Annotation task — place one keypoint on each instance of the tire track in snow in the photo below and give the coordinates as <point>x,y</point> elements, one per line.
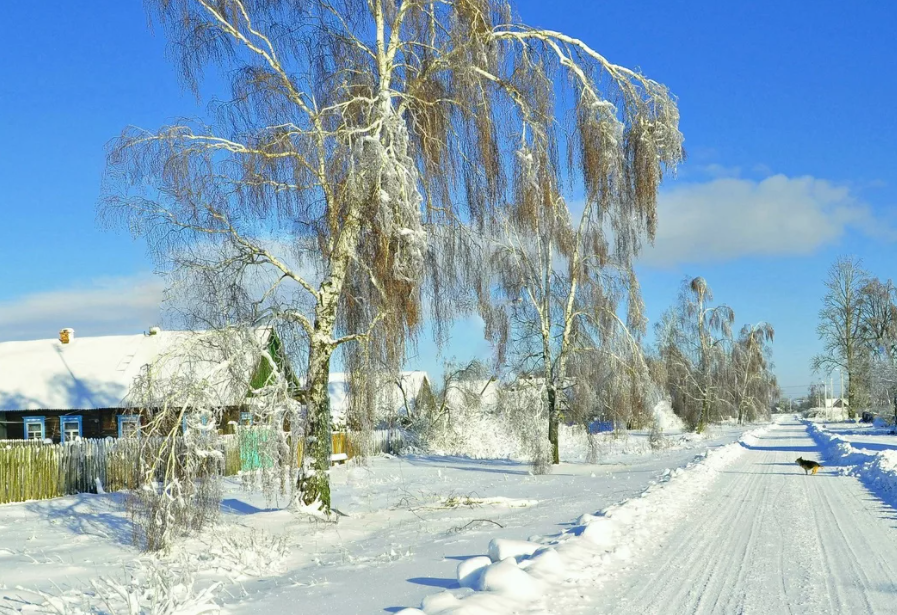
<point>693,538</point>
<point>767,539</point>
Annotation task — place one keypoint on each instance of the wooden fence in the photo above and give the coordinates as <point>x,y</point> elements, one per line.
<point>42,471</point>
<point>32,470</point>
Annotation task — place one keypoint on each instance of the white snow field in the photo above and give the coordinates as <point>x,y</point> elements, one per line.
<point>726,524</point>
<point>410,522</point>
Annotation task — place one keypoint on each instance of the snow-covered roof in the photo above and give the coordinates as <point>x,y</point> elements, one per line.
<point>86,374</point>
<point>389,398</point>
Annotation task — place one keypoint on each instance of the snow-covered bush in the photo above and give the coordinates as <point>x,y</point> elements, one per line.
<point>155,588</point>
<point>181,399</point>
<point>240,552</point>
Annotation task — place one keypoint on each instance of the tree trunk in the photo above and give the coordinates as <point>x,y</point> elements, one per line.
<point>705,413</point>
<point>314,478</point>
<point>553,424</point>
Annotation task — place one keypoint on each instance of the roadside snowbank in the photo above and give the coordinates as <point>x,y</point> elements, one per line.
<point>522,576</point>
<point>877,469</point>
<point>487,439</point>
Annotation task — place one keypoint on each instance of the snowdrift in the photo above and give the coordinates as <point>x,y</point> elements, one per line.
<point>877,469</point>
<point>522,576</point>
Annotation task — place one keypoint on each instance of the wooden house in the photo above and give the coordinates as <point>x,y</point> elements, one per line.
<point>65,388</point>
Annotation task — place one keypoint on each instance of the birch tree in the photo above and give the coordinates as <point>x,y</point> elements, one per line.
<point>841,327</point>
<point>561,274</point>
<point>356,137</point>
<point>878,312</point>
<point>751,386</point>
<point>692,341</point>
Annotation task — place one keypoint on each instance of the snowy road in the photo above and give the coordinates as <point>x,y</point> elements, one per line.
<point>768,539</point>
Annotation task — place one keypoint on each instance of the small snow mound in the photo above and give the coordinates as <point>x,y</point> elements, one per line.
<point>470,571</point>
<point>623,514</point>
<point>502,548</point>
<point>601,532</point>
<point>435,603</point>
<point>507,578</point>
<point>586,518</point>
<point>545,564</point>
<point>411,611</point>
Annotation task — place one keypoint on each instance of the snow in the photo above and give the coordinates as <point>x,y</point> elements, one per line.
<point>483,436</point>
<point>409,523</point>
<point>867,453</point>
<point>470,570</point>
<point>726,524</point>
<point>500,549</point>
<point>528,576</point>
<point>666,419</point>
<point>89,373</point>
<point>762,538</point>
<point>390,402</point>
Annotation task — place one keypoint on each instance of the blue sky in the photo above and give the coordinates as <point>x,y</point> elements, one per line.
<point>787,111</point>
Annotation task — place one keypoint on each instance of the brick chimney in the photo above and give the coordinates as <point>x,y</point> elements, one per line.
<point>66,335</point>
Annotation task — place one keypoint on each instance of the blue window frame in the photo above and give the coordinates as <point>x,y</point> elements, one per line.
<point>204,420</point>
<point>70,427</point>
<point>128,425</point>
<point>246,418</point>
<point>35,427</point>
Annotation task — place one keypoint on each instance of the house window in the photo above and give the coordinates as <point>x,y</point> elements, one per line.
<point>245,419</point>
<point>128,425</point>
<point>70,428</point>
<point>203,419</point>
<point>35,427</point>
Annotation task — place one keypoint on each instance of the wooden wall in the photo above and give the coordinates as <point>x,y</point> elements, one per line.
<point>94,423</point>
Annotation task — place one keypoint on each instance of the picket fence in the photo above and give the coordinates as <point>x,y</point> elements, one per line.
<point>36,471</point>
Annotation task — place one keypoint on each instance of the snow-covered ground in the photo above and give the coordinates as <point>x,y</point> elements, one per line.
<point>869,453</point>
<point>862,435</point>
<point>409,522</point>
<point>767,539</point>
<point>725,524</point>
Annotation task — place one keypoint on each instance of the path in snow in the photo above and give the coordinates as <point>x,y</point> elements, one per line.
<point>768,539</point>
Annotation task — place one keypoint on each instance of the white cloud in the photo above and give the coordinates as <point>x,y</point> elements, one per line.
<point>729,217</point>
<point>103,307</point>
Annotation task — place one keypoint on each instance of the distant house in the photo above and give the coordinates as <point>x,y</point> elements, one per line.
<point>65,388</point>
<point>398,399</point>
